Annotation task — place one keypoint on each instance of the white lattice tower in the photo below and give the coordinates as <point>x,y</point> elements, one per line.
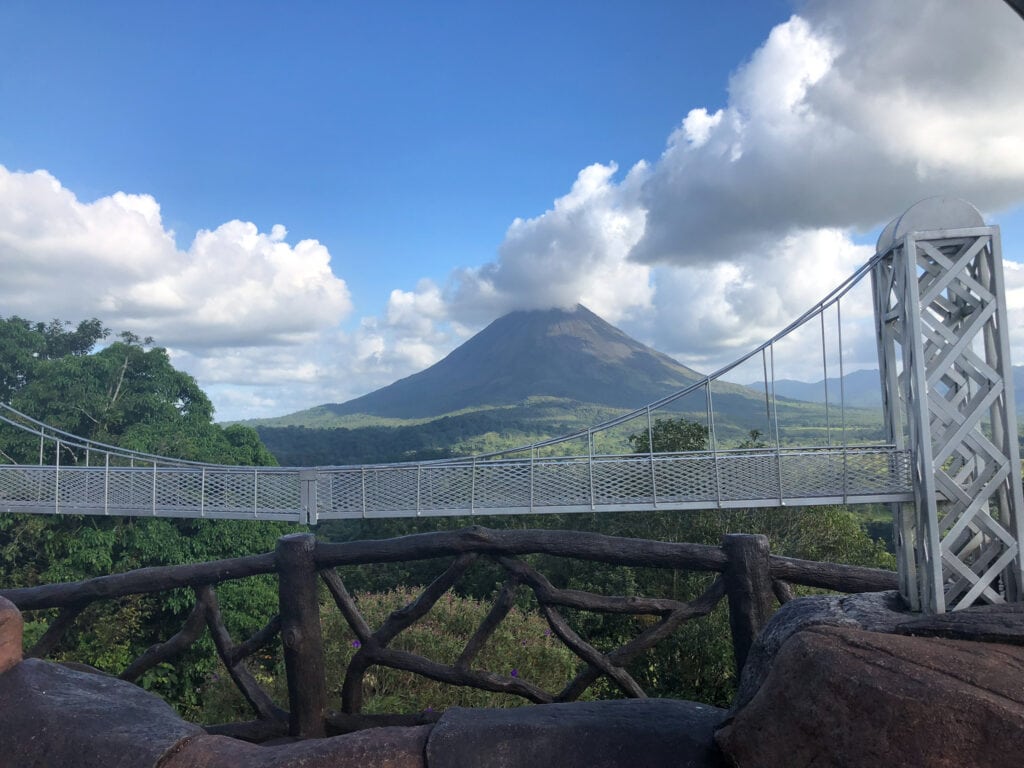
<point>940,314</point>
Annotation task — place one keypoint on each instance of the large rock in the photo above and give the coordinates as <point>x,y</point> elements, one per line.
<point>840,696</point>
<point>875,611</point>
<point>644,733</point>
<point>54,716</point>
<point>372,748</point>
<point>11,625</point>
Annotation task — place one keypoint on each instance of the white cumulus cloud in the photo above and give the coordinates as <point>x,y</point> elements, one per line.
<point>843,118</point>
<point>576,251</point>
<point>113,259</point>
<point>219,305</point>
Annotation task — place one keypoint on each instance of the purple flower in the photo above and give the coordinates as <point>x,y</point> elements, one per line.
<point>515,673</point>
<point>356,644</point>
<point>524,643</point>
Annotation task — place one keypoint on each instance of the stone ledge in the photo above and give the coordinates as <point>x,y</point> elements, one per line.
<point>982,623</point>
<point>55,716</point>
<point>635,733</point>
<point>52,716</point>
<point>375,748</point>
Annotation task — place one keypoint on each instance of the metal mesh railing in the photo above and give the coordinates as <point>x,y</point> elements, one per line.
<point>120,482</point>
<point>761,477</point>
<point>263,493</point>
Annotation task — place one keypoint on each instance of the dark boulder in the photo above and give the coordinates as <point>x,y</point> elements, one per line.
<point>55,716</point>
<point>875,611</point>
<point>840,696</point>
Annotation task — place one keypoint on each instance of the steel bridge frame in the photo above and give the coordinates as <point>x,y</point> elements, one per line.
<point>769,477</point>
<point>941,325</point>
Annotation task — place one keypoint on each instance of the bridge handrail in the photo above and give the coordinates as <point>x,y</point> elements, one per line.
<point>47,432</point>
<point>748,576</point>
<point>502,485</point>
<point>496,458</point>
<point>492,459</point>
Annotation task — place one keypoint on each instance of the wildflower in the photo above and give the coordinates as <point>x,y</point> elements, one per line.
<point>515,673</point>
<point>356,644</point>
<point>524,643</point>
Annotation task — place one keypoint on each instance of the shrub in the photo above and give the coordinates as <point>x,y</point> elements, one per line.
<point>522,646</point>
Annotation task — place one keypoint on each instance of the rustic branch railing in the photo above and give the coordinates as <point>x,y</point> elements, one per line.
<point>749,576</point>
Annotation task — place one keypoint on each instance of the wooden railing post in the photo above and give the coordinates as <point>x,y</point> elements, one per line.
<point>300,634</point>
<point>748,584</point>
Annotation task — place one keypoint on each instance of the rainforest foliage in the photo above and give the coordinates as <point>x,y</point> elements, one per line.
<point>123,392</point>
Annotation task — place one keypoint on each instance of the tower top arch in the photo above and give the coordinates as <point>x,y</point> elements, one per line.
<point>932,213</point>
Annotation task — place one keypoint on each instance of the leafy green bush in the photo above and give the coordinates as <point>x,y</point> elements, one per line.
<point>522,646</point>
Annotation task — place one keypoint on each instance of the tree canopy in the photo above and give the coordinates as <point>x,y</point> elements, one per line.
<point>126,393</point>
<point>123,392</point>
<point>25,344</point>
<point>671,436</point>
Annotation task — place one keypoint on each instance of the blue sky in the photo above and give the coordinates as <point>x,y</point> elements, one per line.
<point>407,133</point>
<point>306,202</point>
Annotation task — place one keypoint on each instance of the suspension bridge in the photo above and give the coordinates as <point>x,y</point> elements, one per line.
<point>949,464</point>
<point>567,474</point>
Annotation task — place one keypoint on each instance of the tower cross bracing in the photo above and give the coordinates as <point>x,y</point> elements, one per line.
<point>941,321</point>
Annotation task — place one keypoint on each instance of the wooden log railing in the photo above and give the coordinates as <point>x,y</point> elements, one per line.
<point>749,576</point>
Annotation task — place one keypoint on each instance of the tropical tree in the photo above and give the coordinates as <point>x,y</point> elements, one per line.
<point>25,344</point>
<point>126,393</point>
<point>671,436</point>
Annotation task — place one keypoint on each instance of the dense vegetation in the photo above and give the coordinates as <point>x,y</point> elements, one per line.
<point>697,662</point>
<point>522,646</point>
<point>479,431</point>
<point>126,392</point>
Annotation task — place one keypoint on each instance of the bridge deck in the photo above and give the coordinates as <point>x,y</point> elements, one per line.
<point>703,480</point>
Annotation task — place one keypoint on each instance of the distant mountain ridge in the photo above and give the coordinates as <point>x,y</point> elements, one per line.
<point>859,389</point>
<point>566,354</point>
